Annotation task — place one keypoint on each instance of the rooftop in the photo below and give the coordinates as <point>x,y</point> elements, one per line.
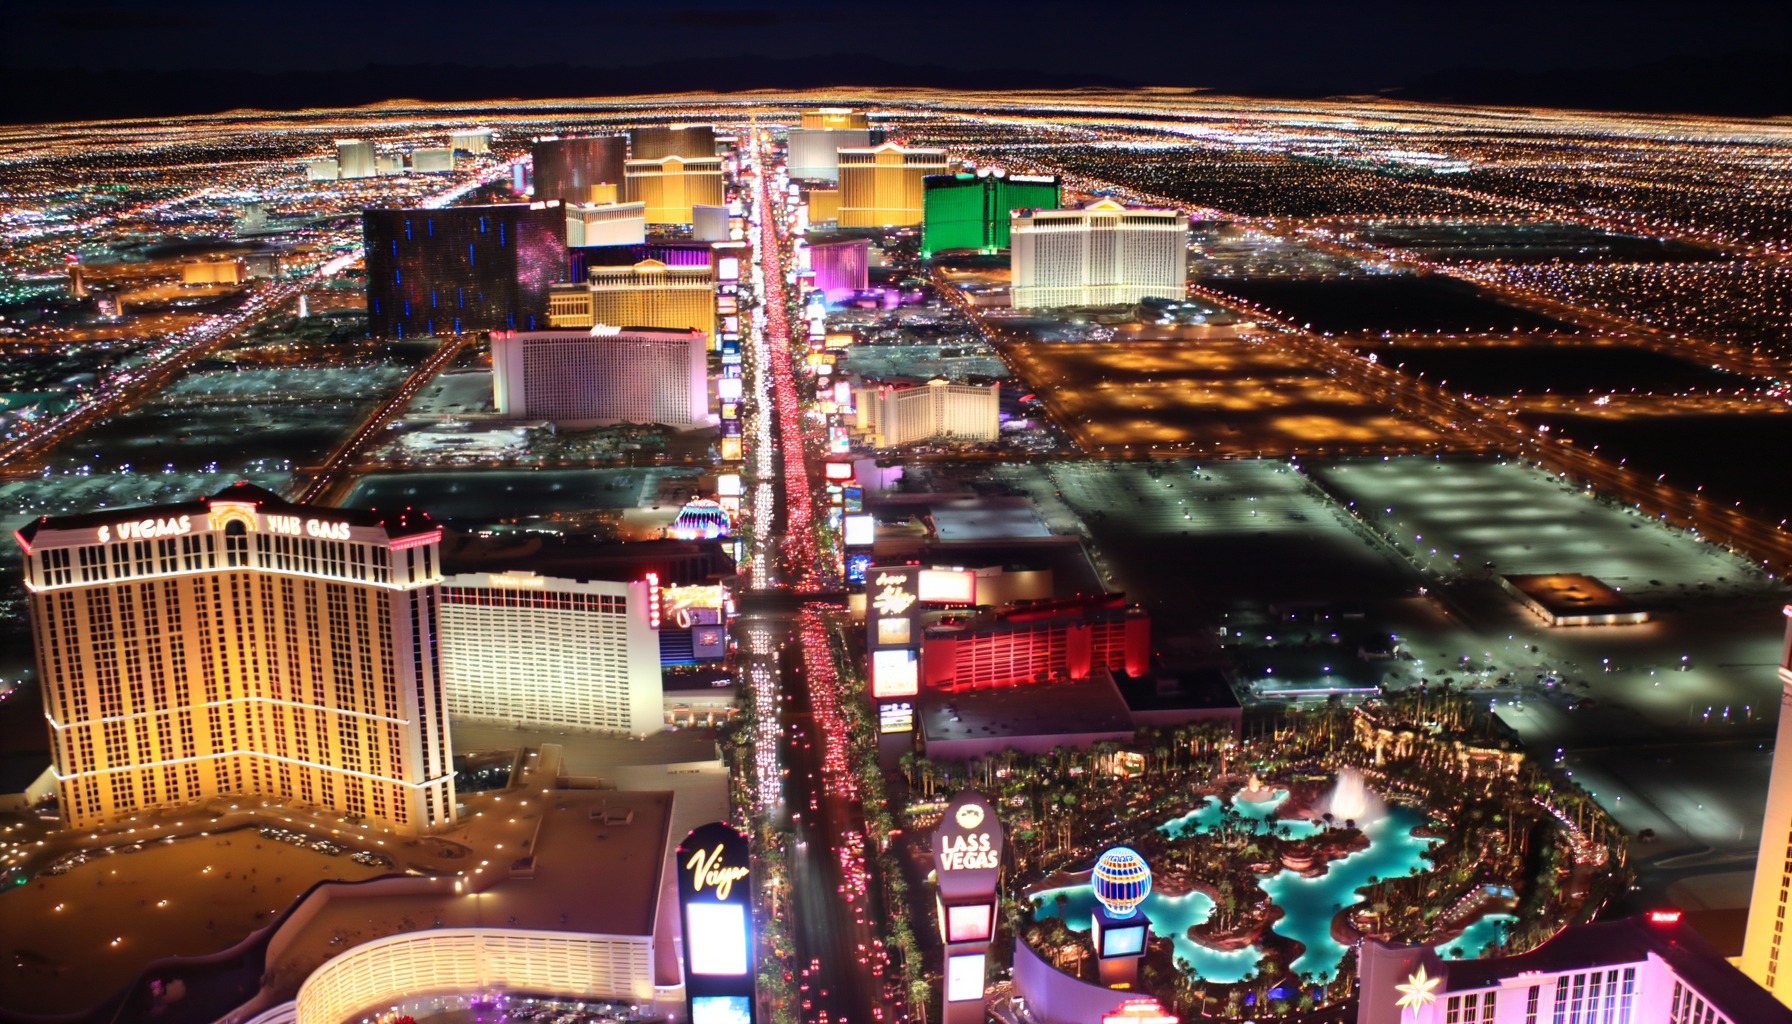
<point>1569,593</point>
<point>1085,706</point>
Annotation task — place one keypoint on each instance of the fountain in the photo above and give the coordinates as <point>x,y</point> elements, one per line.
<point>1350,800</point>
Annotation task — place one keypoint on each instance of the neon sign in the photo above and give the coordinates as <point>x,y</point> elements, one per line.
<point>147,528</point>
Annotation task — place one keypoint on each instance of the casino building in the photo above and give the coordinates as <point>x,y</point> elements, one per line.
<point>604,375</point>
<point>462,269</point>
<point>519,647</point>
<point>880,186</point>
<point>1649,969</point>
<point>1102,253</point>
<point>241,644</point>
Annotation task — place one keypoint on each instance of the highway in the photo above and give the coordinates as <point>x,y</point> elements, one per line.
<point>331,476</point>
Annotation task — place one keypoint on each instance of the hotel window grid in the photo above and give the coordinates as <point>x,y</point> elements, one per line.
<point>118,655</point>
<point>560,653</point>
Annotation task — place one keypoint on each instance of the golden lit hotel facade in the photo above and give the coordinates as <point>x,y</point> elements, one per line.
<point>242,645</point>
<point>648,294</point>
<point>670,186</point>
<point>880,186</point>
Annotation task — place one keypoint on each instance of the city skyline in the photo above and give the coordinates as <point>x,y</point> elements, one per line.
<point>892,555</point>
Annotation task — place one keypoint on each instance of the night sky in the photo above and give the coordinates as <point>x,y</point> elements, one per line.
<point>1334,44</point>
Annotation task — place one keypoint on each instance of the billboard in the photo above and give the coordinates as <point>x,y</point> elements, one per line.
<point>714,894</point>
<point>894,673</point>
<point>861,530</point>
<point>947,586</point>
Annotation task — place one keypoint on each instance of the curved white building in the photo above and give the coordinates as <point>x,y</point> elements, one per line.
<point>447,961</point>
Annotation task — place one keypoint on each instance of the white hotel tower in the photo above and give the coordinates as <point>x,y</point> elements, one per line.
<point>242,645</point>
<point>1765,946</point>
<point>1100,254</point>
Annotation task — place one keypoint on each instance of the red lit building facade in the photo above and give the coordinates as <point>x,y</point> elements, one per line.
<point>1037,644</point>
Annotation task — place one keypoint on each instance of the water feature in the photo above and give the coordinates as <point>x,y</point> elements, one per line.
<point>1350,799</point>
<point>1257,815</point>
<point>1474,938</point>
<point>1309,903</point>
<point>1169,915</point>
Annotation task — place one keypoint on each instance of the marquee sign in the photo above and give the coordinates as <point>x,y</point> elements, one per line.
<point>967,848</point>
<point>715,897</point>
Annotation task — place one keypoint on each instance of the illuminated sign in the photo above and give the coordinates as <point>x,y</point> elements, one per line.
<point>728,269</point>
<point>518,580</point>
<point>861,530</point>
<point>728,389</point>
<point>721,1010</point>
<point>728,485</point>
<point>896,716</point>
<point>707,642</point>
<point>837,470</point>
<point>730,449</point>
<point>1128,940</point>
<point>969,923</point>
<point>947,586</point>
<point>223,513</point>
<point>894,632</point>
<point>839,441</point>
<point>894,673</point>
<point>1139,1011</point>
<point>144,529</point>
<point>714,890</point>
<point>1417,991</point>
<point>967,849</point>
<point>291,526</point>
<point>717,938</point>
<point>652,580</point>
<point>856,567</point>
<point>964,977</point>
<point>891,598</point>
<point>1665,916</point>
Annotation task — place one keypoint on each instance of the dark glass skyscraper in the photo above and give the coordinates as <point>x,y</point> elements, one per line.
<point>462,269</point>
<point>970,211</point>
<point>565,169</point>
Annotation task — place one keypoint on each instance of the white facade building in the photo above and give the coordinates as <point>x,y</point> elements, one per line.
<point>815,152</point>
<point>518,647</point>
<point>355,158</point>
<point>322,168</point>
<point>432,161</point>
<point>1649,969</point>
<point>1765,945</point>
<point>242,645</point>
<point>472,141</point>
<point>606,223</point>
<point>604,375</point>
<point>1101,254</point>
<point>933,411</point>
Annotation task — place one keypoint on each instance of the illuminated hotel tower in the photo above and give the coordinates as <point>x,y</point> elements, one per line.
<point>242,645</point>
<point>1765,948</point>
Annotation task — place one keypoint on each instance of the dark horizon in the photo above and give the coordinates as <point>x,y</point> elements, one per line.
<point>1727,58</point>
<point>1746,83</point>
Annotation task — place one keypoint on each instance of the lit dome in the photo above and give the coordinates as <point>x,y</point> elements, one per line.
<point>1121,880</point>
<point>700,520</point>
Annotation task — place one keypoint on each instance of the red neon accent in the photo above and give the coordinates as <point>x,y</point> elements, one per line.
<point>839,471</point>
<point>416,540</point>
<point>27,546</point>
<point>1664,916</point>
